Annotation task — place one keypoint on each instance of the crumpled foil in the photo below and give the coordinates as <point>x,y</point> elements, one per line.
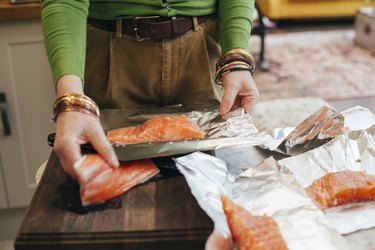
<point>315,130</point>
<point>262,189</point>
<point>350,151</point>
<point>353,151</point>
<point>296,140</point>
<point>234,130</point>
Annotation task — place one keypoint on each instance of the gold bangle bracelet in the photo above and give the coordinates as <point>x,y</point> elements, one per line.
<point>236,54</point>
<point>75,102</point>
<point>244,52</point>
<point>73,108</point>
<point>75,96</point>
<point>233,63</point>
<point>81,102</point>
<point>218,77</point>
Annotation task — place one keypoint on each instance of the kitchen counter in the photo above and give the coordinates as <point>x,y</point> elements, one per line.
<point>10,11</point>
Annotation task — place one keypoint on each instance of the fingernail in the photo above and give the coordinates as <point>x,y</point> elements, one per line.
<point>114,161</point>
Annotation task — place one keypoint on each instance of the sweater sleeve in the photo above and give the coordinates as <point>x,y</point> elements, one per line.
<point>64,30</point>
<point>235,23</point>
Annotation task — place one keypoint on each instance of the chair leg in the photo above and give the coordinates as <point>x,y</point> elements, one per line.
<point>263,65</point>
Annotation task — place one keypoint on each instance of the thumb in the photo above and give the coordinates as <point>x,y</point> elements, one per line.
<point>101,144</point>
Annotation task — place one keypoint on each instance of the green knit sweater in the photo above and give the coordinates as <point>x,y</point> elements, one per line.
<point>64,24</point>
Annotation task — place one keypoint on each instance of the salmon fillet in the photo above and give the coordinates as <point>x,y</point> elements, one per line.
<point>252,232</point>
<point>162,128</point>
<point>339,188</point>
<point>100,182</point>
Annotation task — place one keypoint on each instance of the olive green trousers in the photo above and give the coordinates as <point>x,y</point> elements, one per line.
<point>122,72</point>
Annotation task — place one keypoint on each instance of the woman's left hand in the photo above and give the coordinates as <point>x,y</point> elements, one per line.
<point>239,91</point>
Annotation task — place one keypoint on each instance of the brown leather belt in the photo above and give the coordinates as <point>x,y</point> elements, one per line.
<point>151,27</point>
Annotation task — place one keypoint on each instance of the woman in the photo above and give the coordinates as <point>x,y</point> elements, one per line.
<point>140,54</point>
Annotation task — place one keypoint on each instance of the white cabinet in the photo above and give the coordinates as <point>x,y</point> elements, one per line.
<point>26,81</point>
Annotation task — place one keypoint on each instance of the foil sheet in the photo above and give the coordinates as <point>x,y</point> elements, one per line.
<point>320,127</point>
<point>262,189</point>
<point>315,130</point>
<point>350,151</point>
<point>238,128</point>
<point>353,151</point>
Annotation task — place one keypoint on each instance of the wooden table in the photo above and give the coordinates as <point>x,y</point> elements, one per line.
<point>161,214</point>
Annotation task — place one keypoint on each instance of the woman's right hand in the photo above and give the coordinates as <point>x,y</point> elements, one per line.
<point>75,128</point>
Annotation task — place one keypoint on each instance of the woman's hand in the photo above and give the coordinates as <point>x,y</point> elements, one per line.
<point>75,128</point>
<point>239,91</point>
<point>216,241</point>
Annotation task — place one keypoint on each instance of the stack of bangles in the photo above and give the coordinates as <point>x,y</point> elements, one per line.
<point>75,102</point>
<point>234,60</point>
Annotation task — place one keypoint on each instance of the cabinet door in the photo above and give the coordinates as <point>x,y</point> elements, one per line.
<point>26,80</point>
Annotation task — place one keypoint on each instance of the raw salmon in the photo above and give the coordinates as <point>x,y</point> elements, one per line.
<point>162,128</point>
<point>100,182</point>
<point>339,188</point>
<point>252,232</point>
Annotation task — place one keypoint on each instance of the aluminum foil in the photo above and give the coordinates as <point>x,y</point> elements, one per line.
<point>207,178</point>
<point>234,130</point>
<point>358,118</point>
<point>262,189</point>
<point>350,151</point>
<point>354,151</point>
<point>315,130</point>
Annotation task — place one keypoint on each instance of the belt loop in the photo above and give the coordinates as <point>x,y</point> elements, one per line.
<point>195,23</point>
<point>119,28</point>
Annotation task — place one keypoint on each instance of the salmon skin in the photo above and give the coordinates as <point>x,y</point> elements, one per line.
<point>252,232</point>
<point>162,128</point>
<point>340,188</point>
<point>100,182</point>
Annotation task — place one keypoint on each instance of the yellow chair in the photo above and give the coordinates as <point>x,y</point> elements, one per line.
<point>309,9</point>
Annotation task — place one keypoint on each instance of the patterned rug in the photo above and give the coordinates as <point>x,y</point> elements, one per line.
<point>327,64</point>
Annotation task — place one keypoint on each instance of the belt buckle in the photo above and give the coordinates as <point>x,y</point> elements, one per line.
<point>136,19</point>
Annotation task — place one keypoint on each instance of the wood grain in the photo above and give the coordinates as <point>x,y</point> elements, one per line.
<point>161,214</point>
<point>19,11</point>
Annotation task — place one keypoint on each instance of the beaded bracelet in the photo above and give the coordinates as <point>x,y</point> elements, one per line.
<point>75,102</point>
